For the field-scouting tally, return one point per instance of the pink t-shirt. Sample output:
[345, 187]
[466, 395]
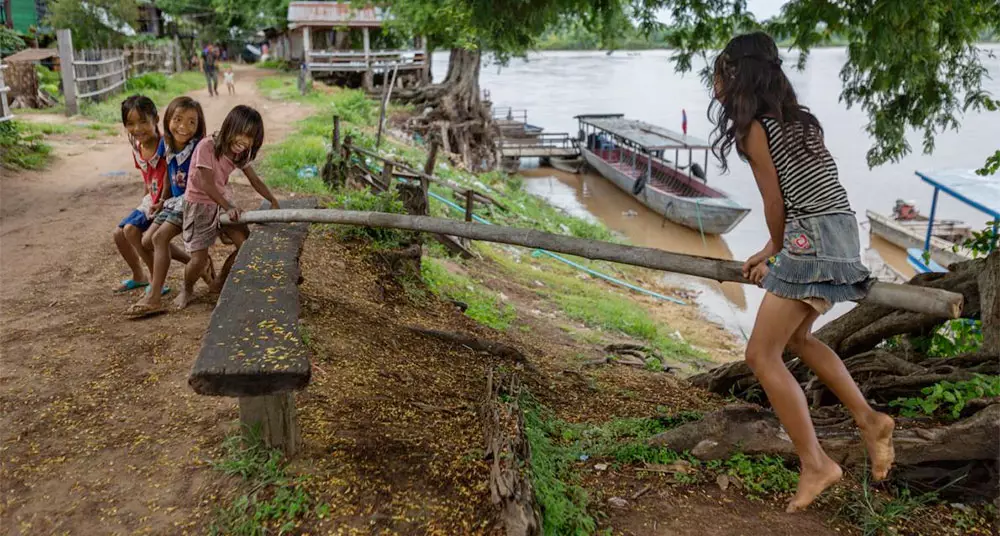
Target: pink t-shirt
[204, 165]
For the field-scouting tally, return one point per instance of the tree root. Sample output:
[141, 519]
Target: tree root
[498, 349]
[752, 430]
[508, 453]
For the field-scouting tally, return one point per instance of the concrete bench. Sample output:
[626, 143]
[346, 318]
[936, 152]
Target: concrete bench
[252, 348]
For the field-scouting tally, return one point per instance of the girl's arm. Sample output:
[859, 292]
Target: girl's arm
[259, 185]
[756, 149]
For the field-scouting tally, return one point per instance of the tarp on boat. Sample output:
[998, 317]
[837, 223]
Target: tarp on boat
[977, 191]
[645, 135]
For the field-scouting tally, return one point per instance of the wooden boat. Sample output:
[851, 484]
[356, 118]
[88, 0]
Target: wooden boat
[905, 235]
[634, 155]
[566, 164]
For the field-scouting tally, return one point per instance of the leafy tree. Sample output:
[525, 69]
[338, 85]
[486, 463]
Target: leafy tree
[10, 41]
[96, 23]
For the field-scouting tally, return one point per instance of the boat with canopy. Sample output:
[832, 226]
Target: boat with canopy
[658, 167]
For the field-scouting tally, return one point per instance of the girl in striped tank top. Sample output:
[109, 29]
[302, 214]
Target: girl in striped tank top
[812, 259]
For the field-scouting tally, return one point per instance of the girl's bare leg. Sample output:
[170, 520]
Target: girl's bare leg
[777, 320]
[128, 253]
[192, 271]
[239, 234]
[876, 428]
[134, 236]
[161, 263]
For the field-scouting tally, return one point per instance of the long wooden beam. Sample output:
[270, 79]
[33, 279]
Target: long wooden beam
[931, 301]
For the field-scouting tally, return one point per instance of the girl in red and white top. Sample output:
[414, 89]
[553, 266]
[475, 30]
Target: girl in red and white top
[140, 119]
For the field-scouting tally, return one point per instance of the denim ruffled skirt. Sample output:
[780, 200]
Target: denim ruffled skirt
[820, 262]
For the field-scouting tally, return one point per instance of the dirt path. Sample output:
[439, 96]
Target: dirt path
[100, 432]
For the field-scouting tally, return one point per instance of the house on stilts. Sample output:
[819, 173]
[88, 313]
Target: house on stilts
[350, 44]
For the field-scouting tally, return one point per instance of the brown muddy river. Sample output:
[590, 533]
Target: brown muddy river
[555, 86]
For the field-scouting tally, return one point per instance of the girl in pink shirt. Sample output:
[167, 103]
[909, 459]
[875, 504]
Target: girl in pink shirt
[234, 146]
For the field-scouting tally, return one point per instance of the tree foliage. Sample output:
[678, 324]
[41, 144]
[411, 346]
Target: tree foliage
[96, 23]
[222, 20]
[911, 64]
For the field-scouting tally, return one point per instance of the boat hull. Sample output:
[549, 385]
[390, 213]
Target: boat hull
[905, 238]
[708, 215]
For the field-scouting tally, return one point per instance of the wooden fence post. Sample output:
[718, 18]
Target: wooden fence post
[335, 145]
[387, 176]
[65, 38]
[470, 199]
[5, 114]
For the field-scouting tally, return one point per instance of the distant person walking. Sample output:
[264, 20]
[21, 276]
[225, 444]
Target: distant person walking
[209, 64]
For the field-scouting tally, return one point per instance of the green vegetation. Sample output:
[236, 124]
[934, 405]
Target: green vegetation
[880, 514]
[274, 501]
[48, 80]
[947, 399]
[953, 338]
[484, 306]
[162, 89]
[594, 304]
[91, 30]
[21, 146]
[759, 475]
[365, 200]
[275, 63]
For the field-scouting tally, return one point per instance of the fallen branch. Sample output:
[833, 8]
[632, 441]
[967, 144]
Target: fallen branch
[906, 297]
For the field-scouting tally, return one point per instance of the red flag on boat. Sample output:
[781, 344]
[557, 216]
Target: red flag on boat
[684, 121]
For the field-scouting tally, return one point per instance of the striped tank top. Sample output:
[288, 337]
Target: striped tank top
[808, 180]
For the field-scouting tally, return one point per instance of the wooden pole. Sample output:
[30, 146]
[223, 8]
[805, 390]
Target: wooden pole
[431, 157]
[65, 38]
[470, 200]
[335, 143]
[930, 301]
[275, 417]
[387, 176]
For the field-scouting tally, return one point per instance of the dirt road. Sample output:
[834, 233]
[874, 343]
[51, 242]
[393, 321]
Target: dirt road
[100, 432]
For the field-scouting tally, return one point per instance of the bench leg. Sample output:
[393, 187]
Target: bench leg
[275, 414]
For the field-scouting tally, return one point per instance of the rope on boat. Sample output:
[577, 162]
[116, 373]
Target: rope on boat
[564, 260]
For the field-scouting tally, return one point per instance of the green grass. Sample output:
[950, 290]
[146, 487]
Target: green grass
[161, 88]
[759, 475]
[881, 514]
[594, 304]
[485, 307]
[274, 501]
[21, 146]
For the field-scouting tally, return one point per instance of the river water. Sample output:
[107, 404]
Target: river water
[556, 86]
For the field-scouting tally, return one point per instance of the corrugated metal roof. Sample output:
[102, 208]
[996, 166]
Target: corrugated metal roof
[643, 134]
[335, 14]
[33, 54]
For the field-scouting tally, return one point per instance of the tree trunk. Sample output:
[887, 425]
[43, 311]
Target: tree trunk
[989, 300]
[455, 108]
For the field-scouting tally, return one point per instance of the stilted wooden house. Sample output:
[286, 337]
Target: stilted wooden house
[338, 39]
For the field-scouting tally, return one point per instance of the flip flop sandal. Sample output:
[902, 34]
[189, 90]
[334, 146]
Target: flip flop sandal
[129, 285]
[137, 311]
[163, 291]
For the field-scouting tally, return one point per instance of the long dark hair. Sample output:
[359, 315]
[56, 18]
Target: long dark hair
[146, 108]
[241, 120]
[177, 105]
[748, 84]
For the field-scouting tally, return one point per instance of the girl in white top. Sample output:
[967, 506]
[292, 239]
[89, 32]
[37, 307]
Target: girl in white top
[230, 82]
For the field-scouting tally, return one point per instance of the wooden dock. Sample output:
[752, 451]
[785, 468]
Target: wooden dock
[541, 146]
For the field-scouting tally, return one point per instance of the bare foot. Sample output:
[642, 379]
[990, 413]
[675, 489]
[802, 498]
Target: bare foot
[877, 434]
[184, 298]
[812, 482]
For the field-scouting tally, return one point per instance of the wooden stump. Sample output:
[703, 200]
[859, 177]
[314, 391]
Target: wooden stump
[275, 417]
